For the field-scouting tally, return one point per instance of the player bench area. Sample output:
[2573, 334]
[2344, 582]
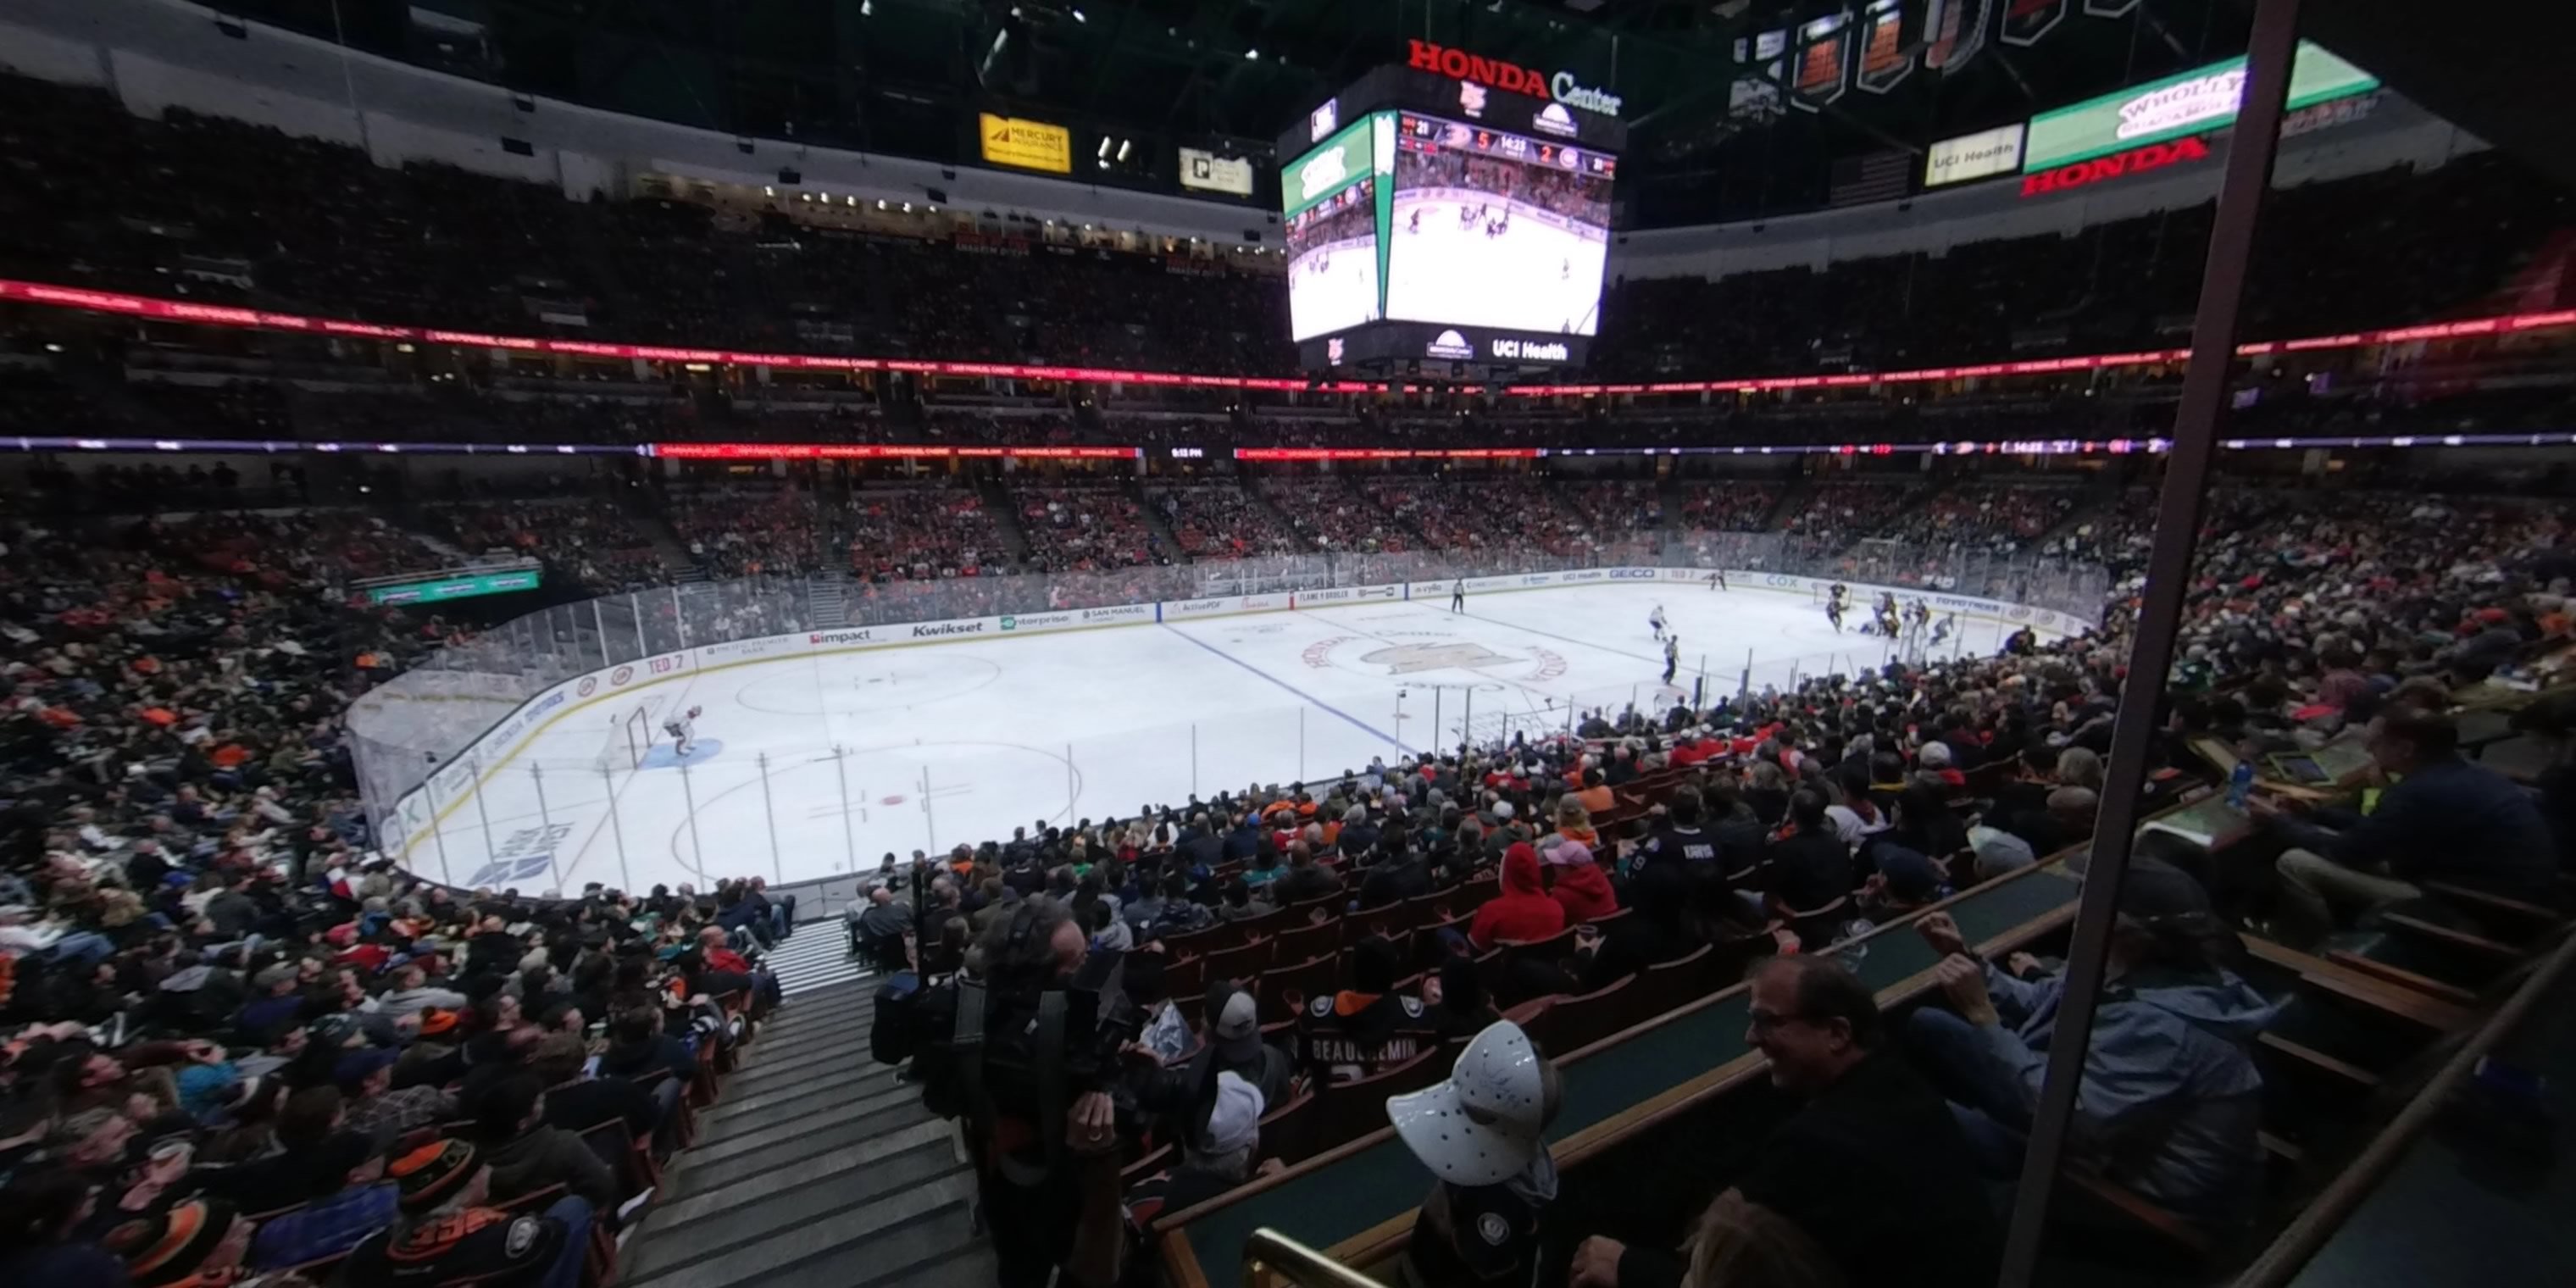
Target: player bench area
[1657, 1117]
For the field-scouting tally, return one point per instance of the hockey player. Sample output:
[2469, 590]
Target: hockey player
[683, 729]
[1458, 596]
[1414, 224]
[1717, 579]
[1672, 656]
[1655, 620]
[1834, 612]
[1948, 624]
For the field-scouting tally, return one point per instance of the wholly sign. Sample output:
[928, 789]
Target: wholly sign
[1511, 78]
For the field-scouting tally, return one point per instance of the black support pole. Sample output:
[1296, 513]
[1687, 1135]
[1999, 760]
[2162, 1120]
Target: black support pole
[2196, 420]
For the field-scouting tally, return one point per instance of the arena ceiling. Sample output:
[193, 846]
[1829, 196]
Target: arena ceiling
[908, 76]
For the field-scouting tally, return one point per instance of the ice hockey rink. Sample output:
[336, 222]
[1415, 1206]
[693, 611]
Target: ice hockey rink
[1333, 288]
[1533, 277]
[818, 764]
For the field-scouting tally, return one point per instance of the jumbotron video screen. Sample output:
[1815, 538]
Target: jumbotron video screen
[1333, 198]
[1497, 229]
[1433, 220]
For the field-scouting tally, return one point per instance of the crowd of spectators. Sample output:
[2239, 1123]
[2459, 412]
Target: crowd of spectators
[1854, 511]
[922, 533]
[2117, 536]
[224, 1002]
[1996, 517]
[1800, 818]
[746, 531]
[1335, 517]
[1223, 521]
[1623, 507]
[603, 546]
[1085, 528]
[241, 1041]
[1731, 505]
[1482, 514]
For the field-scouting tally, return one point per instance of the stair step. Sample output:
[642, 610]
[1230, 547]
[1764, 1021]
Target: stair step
[864, 1245]
[843, 1031]
[790, 1155]
[680, 1235]
[788, 1120]
[865, 1086]
[801, 1064]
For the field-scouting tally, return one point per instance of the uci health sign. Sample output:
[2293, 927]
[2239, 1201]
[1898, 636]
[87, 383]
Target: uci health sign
[2194, 102]
[1973, 156]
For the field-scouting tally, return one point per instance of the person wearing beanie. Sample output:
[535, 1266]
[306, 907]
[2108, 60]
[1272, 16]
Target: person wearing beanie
[446, 1237]
[197, 1243]
[1220, 1154]
[1522, 913]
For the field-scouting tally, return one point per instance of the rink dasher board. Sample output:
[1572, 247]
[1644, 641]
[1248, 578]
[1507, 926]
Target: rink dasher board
[493, 751]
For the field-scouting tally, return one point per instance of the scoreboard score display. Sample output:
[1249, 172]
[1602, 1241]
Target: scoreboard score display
[1444, 227]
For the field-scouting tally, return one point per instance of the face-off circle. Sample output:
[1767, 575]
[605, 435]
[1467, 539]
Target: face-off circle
[1406, 655]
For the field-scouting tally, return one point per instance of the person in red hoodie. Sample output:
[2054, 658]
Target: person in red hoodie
[1523, 912]
[1581, 888]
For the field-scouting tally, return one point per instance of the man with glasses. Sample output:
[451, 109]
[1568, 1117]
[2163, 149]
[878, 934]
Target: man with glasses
[1873, 1173]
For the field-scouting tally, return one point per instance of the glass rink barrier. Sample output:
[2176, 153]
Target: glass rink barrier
[804, 729]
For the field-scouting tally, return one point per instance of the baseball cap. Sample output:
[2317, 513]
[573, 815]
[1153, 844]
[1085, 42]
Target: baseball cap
[1234, 1121]
[434, 1021]
[1482, 1126]
[1238, 1028]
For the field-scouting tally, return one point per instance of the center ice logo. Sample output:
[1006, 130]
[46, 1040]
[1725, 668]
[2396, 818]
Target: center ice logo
[1405, 659]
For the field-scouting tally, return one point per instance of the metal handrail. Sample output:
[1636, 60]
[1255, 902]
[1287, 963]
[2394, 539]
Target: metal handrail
[1298, 1264]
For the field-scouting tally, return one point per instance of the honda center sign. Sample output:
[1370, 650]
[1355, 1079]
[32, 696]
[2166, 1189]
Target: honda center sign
[1509, 77]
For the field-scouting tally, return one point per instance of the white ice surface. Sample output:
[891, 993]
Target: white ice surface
[1332, 290]
[959, 742]
[1534, 277]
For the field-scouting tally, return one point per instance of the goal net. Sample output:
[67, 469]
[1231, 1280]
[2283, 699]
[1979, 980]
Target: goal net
[631, 734]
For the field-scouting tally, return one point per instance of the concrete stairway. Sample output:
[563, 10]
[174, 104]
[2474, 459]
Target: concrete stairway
[829, 596]
[815, 1169]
